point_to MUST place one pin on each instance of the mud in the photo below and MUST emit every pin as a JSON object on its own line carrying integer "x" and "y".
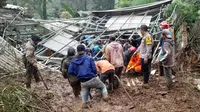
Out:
{"x": 182, "y": 97}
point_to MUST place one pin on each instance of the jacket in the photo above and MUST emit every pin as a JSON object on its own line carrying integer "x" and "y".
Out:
{"x": 146, "y": 47}
{"x": 103, "y": 66}
{"x": 115, "y": 54}
{"x": 83, "y": 67}
{"x": 168, "y": 59}
{"x": 30, "y": 52}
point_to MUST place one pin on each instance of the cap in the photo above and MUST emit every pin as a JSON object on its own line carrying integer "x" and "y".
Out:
{"x": 80, "y": 49}
{"x": 167, "y": 33}
{"x": 164, "y": 25}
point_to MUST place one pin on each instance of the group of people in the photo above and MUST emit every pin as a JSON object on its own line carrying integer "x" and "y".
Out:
{"x": 84, "y": 73}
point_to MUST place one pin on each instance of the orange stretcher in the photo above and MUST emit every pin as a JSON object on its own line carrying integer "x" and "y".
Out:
{"x": 134, "y": 63}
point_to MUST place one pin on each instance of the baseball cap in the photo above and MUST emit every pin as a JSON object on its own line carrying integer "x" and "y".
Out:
{"x": 167, "y": 33}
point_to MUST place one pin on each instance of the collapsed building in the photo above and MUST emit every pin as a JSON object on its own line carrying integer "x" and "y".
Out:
{"x": 59, "y": 35}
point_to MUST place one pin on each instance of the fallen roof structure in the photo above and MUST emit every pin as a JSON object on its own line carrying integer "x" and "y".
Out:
{"x": 10, "y": 58}
{"x": 115, "y": 22}
{"x": 65, "y": 33}
{"x": 119, "y": 21}
{"x": 129, "y": 10}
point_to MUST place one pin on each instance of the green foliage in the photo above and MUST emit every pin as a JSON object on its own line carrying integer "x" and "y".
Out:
{"x": 128, "y": 3}
{"x": 2, "y": 3}
{"x": 70, "y": 11}
{"x": 187, "y": 11}
{"x": 15, "y": 98}
{"x": 66, "y": 15}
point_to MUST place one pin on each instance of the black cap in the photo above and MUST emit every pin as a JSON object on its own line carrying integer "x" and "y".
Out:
{"x": 71, "y": 51}
{"x": 80, "y": 48}
{"x": 35, "y": 38}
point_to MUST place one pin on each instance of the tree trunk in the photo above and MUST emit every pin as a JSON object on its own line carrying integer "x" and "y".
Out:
{"x": 44, "y": 9}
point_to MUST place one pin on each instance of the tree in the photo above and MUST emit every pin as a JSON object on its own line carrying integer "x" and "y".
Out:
{"x": 128, "y": 3}
{"x": 44, "y": 9}
{"x": 2, "y": 3}
{"x": 186, "y": 10}
{"x": 37, "y": 6}
{"x": 70, "y": 11}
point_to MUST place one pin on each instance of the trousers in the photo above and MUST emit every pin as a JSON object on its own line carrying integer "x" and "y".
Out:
{"x": 146, "y": 67}
{"x": 110, "y": 76}
{"x": 92, "y": 83}
{"x": 31, "y": 71}
{"x": 168, "y": 75}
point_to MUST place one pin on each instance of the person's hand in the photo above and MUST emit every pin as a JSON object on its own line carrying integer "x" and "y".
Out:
{"x": 145, "y": 60}
{"x": 134, "y": 53}
{"x": 155, "y": 62}
{"x": 163, "y": 59}
{"x": 35, "y": 65}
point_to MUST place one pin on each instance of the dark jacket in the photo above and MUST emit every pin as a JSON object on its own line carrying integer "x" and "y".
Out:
{"x": 65, "y": 64}
{"x": 83, "y": 67}
{"x": 169, "y": 53}
{"x": 73, "y": 80}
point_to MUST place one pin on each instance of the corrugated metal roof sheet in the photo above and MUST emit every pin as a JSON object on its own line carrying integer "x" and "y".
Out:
{"x": 57, "y": 25}
{"x": 59, "y": 41}
{"x": 133, "y": 22}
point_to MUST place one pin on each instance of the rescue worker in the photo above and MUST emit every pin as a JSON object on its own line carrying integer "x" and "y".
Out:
{"x": 134, "y": 64}
{"x": 145, "y": 51}
{"x": 168, "y": 59}
{"x": 126, "y": 46}
{"x": 84, "y": 68}
{"x": 128, "y": 54}
{"x": 106, "y": 71}
{"x": 73, "y": 80}
{"x": 164, "y": 25}
{"x": 30, "y": 61}
{"x": 115, "y": 55}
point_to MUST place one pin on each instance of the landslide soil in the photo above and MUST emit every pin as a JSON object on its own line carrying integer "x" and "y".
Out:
{"x": 183, "y": 97}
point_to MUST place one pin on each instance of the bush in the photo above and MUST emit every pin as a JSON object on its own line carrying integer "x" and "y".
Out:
{"x": 15, "y": 98}
{"x": 186, "y": 10}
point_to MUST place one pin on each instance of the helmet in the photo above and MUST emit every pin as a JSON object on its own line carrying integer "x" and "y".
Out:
{"x": 71, "y": 51}
{"x": 132, "y": 49}
{"x": 164, "y": 24}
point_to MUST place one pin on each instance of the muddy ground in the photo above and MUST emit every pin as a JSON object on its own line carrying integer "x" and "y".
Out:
{"x": 155, "y": 98}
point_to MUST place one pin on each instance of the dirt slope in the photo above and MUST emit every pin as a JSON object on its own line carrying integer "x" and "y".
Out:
{"x": 155, "y": 98}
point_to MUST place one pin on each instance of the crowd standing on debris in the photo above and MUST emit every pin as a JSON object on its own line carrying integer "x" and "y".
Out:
{"x": 99, "y": 65}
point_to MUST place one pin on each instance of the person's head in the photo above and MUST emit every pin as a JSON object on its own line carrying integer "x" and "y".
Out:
{"x": 143, "y": 29}
{"x": 166, "y": 34}
{"x": 35, "y": 39}
{"x": 112, "y": 38}
{"x": 71, "y": 51}
{"x": 80, "y": 49}
{"x": 164, "y": 25}
{"x": 127, "y": 42}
